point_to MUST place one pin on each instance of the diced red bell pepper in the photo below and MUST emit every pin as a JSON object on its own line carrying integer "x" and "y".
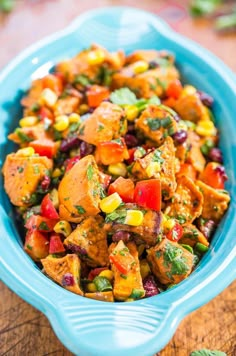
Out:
{"x": 174, "y": 89}
{"x": 40, "y": 223}
{"x": 104, "y": 179}
{"x": 95, "y": 272}
{"x": 44, "y": 113}
{"x": 147, "y": 194}
{"x": 56, "y": 245}
{"x": 47, "y": 208}
{"x": 131, "y": 154}
{"x": 124, "y": 187}
{"x": 214, "y": 175}
{"x": 111, "y": 152}
{"x": 71, "y": 162}
{"x": 122, "y": 258}
{"x": 53, "y": 82}
{"x": 44, "y": 147}
{"x": 187, "y": 169}
{"x": 96, "y": 94}
{"x": 175, "y": 233}
{"x": 36, "y": 245}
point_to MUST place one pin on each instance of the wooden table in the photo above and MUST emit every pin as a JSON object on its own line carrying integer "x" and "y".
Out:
{"x": 23, "y": 329}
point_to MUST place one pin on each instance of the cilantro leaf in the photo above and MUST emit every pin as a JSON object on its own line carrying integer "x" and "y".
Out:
{"x": 90, "y": 172}
{"x": 123, "y": 96}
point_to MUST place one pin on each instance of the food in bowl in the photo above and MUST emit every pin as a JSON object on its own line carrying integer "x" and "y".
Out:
{"x": 118, "y": 178}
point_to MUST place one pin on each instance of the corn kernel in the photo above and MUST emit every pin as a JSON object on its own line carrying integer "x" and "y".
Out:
{"x": 110, "y": 203}
{"x": 205, "y": 128}
{"x": 26, "y": 152}
{"x": 108, "y": 274}
{"x": 134, "y": 218}
{"x": 152, "y": 169}
{"x": 188, "y": 90}
{"x": 62, "y": 123}
{"x": 74, "y": 118}
{"x": 117, "y": 169}
{"x": 96, "y": 56}
{"x": 48, "y": 97}
{"x": 28, "y": 121}
{"x": 169, "y": 224}
{"x": 63, "y": 227}
{"x": 140, "y": 67}
{"x": 56, "y": 173}
{"x": 83, "y": 109}
{"x": 144, "y": 268}
{"x": 90, "y": 287}
{"x": 54, "y": 198}
{"x": 131, "y": 112}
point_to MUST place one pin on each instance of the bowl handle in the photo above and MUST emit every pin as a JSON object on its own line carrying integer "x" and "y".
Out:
{"x": 127, "y": 327}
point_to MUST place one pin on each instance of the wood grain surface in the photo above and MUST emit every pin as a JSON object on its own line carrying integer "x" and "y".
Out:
{"x": 24, "y": 330}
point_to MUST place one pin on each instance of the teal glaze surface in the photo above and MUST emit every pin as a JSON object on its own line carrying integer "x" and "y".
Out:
{"x": 88, "y": 327}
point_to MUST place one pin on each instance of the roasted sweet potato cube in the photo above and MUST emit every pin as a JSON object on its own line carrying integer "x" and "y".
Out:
{"x": 102, "y": 296}
{"x": 187, "y": 201}
{"x": 215, "y": 202}
{"x": 147, "y": 231}
{"x": 79, "y": 191}
{"x": 89, "y": 240}
{"x": 190, "y": 108}
{"x": 194, "y": 154}
{"x": 170, "y": 262}
{"x": 22, "y": 176}
{"x": 165, "y": 171}
{"x": 65, "y": 271}
{"x": 145, "y": 85}
{"x": 191, "y": 235}
{"x": 156, "y": 122}
{"x": 129, "y": 284}
{"x": 66, "y": 106}
{"x": 150, "y": 55}
{"x": 104, "y": 124}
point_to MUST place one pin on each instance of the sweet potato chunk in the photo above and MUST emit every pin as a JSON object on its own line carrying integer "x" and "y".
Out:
{"x": 66, "y": 105}
{"x": 191, "y": 235}
{"x": 190, "y": 108}
{"x": 102, "y": 296}
{"x": 65, "y": 271}
{"x": 26, "y": 134}
{"x": 170, "y": 262}
{"x": 22, "y": 176}
{"x": 145, "y": 85}
{"x": 104, "y": 124}
{"x": 194, "y": 154}
{"x": 215, "y": 202}
{"x": 128, "y": 285}
{"x": 155, "y": 123}
{"x": 187, "y": 201}
{"x": 165, "y": 156}
{"x": 33, "y": 94}
{"x": 150, "y": 55}
{"x": 147, "y": 231}
{"x": 89, "y": 240}
{"x": 79, "y": 191}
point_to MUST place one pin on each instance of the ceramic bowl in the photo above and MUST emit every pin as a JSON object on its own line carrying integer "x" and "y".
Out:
{"x": 88, "y": 327}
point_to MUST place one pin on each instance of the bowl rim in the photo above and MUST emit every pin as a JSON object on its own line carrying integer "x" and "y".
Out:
{"x": 201, "y": 293}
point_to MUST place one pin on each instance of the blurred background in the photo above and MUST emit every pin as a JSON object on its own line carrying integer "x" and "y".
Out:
{"x": 212, "y": 23}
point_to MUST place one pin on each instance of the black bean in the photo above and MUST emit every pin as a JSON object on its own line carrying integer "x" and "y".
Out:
{"x": 205, "y": 98}
{"x": 215, "y": 155}
{"x": 180, "y": 136}
{"x": 130, "y": 140}
{"x": 121, "y": 235}
{"x": 153, "y": 65}
{"x": 85, "y": 149}
{"x": 69, "y": 143}
{"x": 150, "y": 286}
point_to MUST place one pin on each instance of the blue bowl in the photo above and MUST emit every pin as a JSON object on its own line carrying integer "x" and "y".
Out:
{"x": 85, "y": 326}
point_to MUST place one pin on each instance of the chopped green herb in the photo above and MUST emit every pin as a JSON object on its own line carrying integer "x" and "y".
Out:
{"x": 137, "y": 293}
{"x": 118, "y": 216}
{"x": 36, "y": 169}
{"x": 20, "y": 169}
{"x": 161, "y": 83}
{"x": 100, "y": 127}
{"x": 90, "y": 172}
{"x": 43, "y": 226}
{"x": 201, "y": 248}
{"x": 67, "y": 198}
{"x": 81, "y": 130}
{"x": 153, "y": 124}
{"x": 29, "y": 247}
{"x": 157, "y": 157}
{"x": 123, "y": 96}
{"x": 74, "y": 126}
{"x": 173, "y": 258}
{"x": 187, "y": 247}
{"x": 35, "y": 107}
{"x": 102, "y": 284}
{"x": 205, "y": 352}
{"x": 80, "y": 209}
{"x": 22, "y": 136}
{"x": 82, "y": 79}
{"x": 124, "y": 276}
{"x": 181, "y": 219}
